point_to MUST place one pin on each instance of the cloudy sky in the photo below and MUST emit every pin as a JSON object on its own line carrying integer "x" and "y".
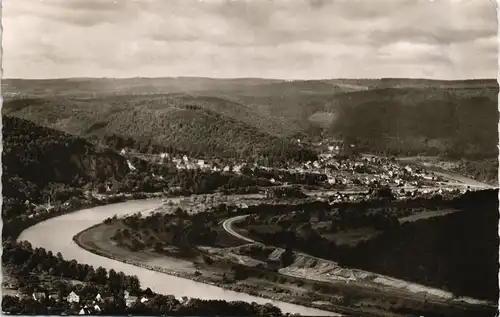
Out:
{"x": 290, "y": 39}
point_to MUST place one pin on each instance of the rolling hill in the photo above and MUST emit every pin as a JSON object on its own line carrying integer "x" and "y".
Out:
{"x": 391, "y": 115}
{"x": 34, "y": 158}
{"x": 94, "y": 87}
{"x": 202, "y": 127}
{"x": 459, "y": 122}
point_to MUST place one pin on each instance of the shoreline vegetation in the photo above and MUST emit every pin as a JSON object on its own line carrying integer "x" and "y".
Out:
{"x": 101, "y": 145}
{"x": 198, "y": 277}
{"x": 100, "y": 291}
{"x": 193, "y": 277}
{"x": 14, "y": 240}
{"x": 123, "y": 198}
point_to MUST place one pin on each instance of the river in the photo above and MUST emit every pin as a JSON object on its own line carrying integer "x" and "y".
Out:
{"x": 56, "y": 234}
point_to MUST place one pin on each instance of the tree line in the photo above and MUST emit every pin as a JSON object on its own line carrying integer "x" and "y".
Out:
{"x": 456, "y": 252}
{"x": 27, "y": 261}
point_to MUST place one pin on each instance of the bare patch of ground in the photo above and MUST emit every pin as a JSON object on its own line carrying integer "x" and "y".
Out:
{"x": 426, "y": 215}
{"x": 352, "y": 237}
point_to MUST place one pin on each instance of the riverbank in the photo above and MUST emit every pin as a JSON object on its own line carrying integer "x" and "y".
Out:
{"x": 160, "y": 279}
{"x": 183, "y": 269}
{"x": 56, "y": 235}
{"x": 319, "y": 271}
{"x": 448, "y": 170}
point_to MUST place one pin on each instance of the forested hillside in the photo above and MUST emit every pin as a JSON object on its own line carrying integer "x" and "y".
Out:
{"x": 241, "y": 117}
{"x": 457, "y": 252}
{"x": 193, "y": 127}
{"x": 35, "y": 158}
{"x": 460, "y": 123}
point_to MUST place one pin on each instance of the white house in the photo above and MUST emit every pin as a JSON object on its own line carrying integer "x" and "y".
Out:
{"x": 22, "y": 296}
{"x": 130, "y": 301}
{"x": 54, "y": 297}
{"x": 39, "y": 296}
{"x": 98, "y": 298}
{"x": 73, "y": 298}
{"x": 84, "y": 311}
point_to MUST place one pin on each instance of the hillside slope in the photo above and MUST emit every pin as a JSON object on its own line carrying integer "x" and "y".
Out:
{"x": 202, "y": 127}
{"x": 398, "y": 116}
{"x": 458, "y": 252}
{"x": 35, "y": 157}
{"x": 459, "y": 122}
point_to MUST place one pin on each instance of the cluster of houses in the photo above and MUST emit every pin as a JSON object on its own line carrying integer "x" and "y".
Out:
{"x": 88, "y": 307}
{"x": 339, "y": 197}
{"x": 35, "y": 210}
{"x": 364, "y": 171}
{"x": 355, "y": 172}
{"x": 186, "y": 163}
{"x": 367, "y": 171}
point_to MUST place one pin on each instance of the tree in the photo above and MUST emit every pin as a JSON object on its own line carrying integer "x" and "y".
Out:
{"x": 385, "y": 193}
{"x": 101, "y": 188}
{"x": 286, "y": 257}
{"x": 132, "y": 283}
{"x": 10, "y": 304}
{"x": 118, "y": 235}
{"x": 148, "y": 292}
{"x": 158, "y": 247}
{"x": 207, "y": 260}
{"x": 101, "y": 275}
{"x": 126, "y": 233}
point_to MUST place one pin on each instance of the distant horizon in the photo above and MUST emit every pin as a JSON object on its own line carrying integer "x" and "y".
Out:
{"x": 259, "y": 78}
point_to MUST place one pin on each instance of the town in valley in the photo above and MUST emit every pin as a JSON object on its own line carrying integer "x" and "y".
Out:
{"x": 237, "y": 159}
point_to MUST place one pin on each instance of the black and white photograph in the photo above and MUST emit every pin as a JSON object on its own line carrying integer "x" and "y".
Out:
{"x": 250, "y": 158}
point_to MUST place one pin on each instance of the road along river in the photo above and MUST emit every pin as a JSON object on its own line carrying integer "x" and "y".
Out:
{"x": 56, "y": 234}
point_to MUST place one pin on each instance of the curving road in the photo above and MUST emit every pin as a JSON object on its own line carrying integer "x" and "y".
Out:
{"x": 56, "y": 234}
{"x": 228, "y": 226}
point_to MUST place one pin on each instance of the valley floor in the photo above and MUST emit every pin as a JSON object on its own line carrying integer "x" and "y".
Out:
{"x": 304, "y": 280}
{"x": 98, "y": 240}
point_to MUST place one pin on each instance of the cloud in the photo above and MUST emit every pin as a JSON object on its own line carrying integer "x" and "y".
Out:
{"x": 240, "y": 38}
